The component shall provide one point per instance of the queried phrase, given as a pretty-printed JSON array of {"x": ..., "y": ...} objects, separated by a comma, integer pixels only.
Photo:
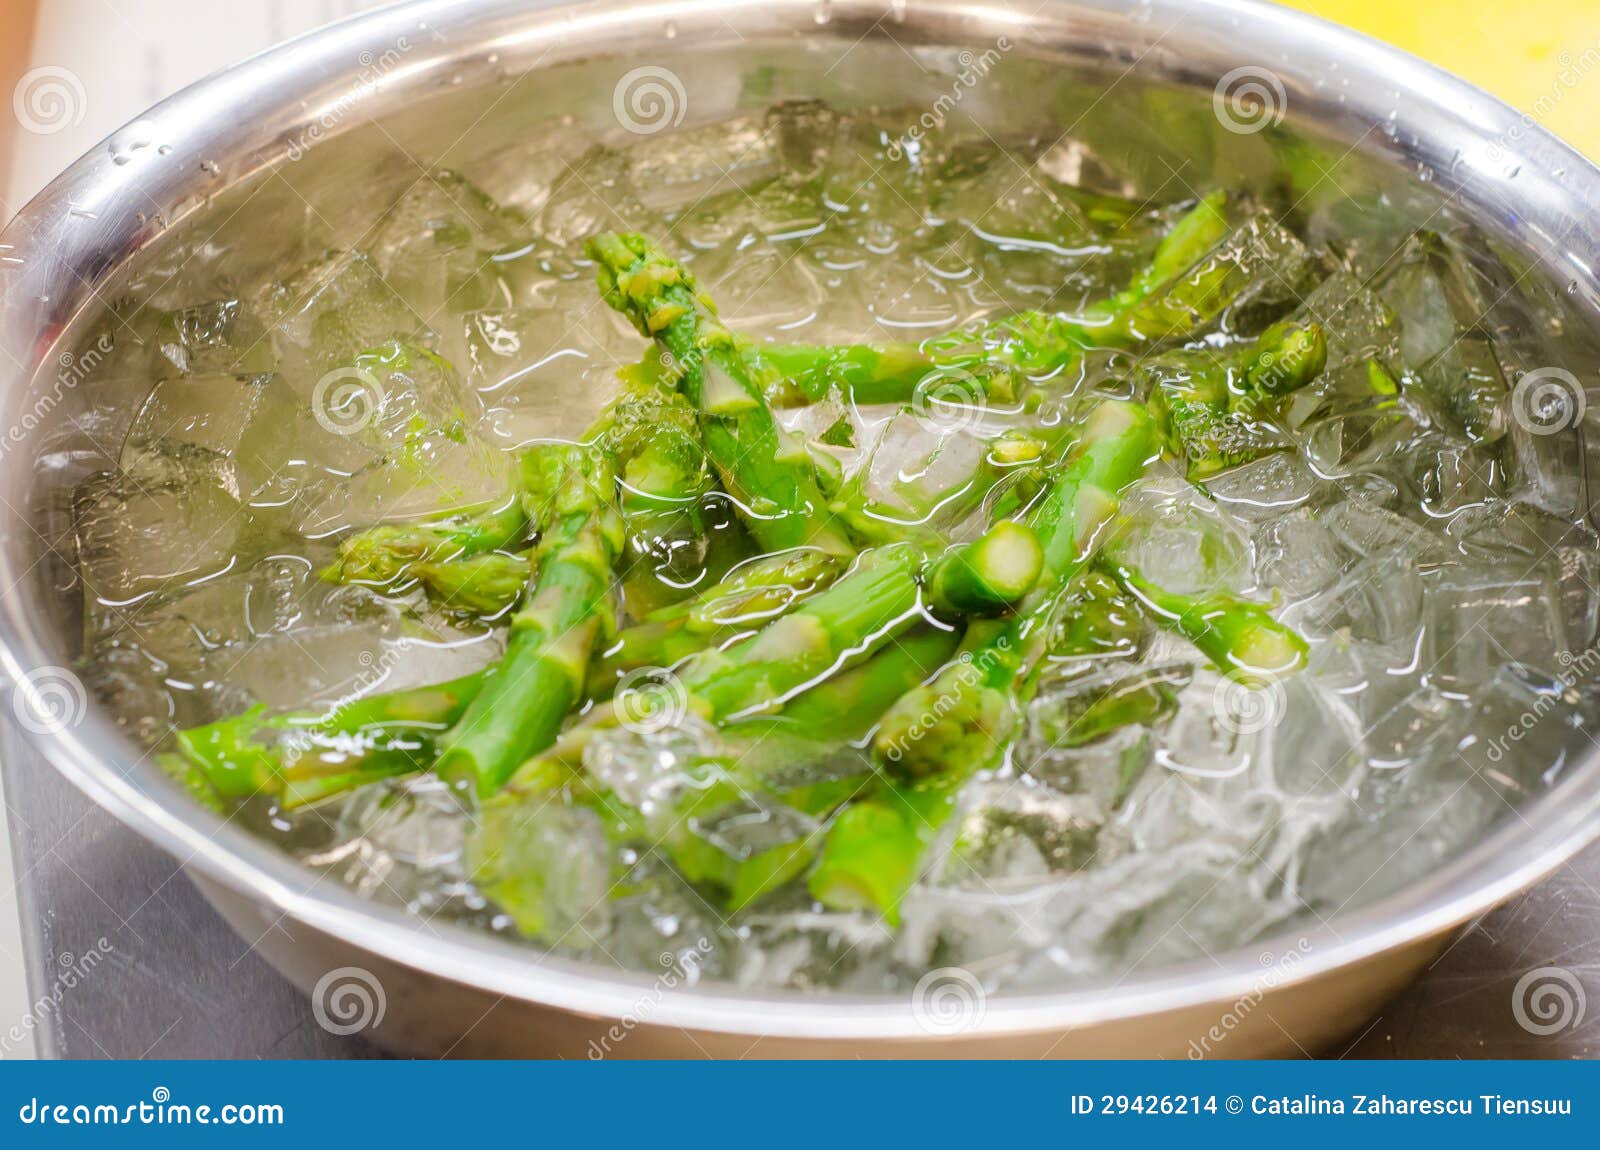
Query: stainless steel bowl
[{"x": 447, "y": 79}]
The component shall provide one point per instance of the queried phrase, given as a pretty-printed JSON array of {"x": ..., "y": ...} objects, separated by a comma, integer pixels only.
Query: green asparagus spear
[
  {"x": 939, "y": 734},
  {"x": 768, "y": 473},
  {"x": 1035, "y": 343},
  {"x": 988, "y": 575},
  {"x": 300, "y": 757},
  {"x": 482, "y": 585},
  {"x": 1215, "y": 407},
  {"x": 1240, "y": 637},
  {"x": 382, "y": 554},
  {"x": 564, "y": 613},
  {"x": 749, "y": 596},
  {"x": 836, "y": 629}
]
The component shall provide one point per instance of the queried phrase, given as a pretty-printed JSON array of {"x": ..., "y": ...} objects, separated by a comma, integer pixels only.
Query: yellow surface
[{"x": 1542, "y": 56}]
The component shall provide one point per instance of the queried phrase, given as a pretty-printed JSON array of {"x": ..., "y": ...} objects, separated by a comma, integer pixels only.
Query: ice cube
[
  {"x": 809, "y": 950},
  {"x": 649, "y": 767},
  {"x": 136, "y": 536},
  {"x": 1105, "y": 770},
  {"x": 1179, "y": 541},
  {"x": 1527, "y": 727},
  {"x": 401, "y": 842},
  {"x": 1267, "y": 486},
  {"x": 1379, "y": 601},
  {"x": 436, "y": 246},
  {"x": 1298, "y": 555},
  {"x": 676, "y": 170},
  {"x": 917, "y": 458},
  {"x": 661, "y": 923},
  {"x": 1219, "y": 727},
  {"x": 1007, "y": 833},
  {"x": 1320, "y": 747},
  {"x": 333, "y": 310},
  {"x": 262, "y": 433},
  {"x": 549, "y": 866},
  {"x": 1157, "y": 907},
  {"x": 417, "y": 426},
  {"x": 594, "y": 194},
  {"x": 1378, "y": 533},
  {"x": 1480, "y": 618}
]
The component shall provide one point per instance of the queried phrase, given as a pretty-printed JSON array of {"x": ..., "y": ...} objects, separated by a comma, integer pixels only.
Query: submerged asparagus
[
  {"x": 303, "y": 756},
  {"x": 1215, "y": 406},
  {"x": 1240, "y": 637},
  {"x": 749, "y": 596},
  {"x": 1035, "y": 343},
  {"x": 563, "y": 615},
  {"x": 766, "y": 471},
  {"x": 937, "y": 735}
]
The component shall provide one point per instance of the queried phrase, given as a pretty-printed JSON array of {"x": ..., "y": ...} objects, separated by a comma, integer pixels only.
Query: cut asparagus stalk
[
  {"x": 1241, "y": 638},
  {"x": 385, "y": 553},
  {"x": 767, "y": 472},
  {"x": 563, "y": 615},
  {"x": 988, "y": 575},
  {"x": 875, "y": 848}
]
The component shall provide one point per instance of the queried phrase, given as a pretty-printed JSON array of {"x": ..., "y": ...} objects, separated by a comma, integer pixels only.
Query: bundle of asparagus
[{"x": 844, "y": 630}]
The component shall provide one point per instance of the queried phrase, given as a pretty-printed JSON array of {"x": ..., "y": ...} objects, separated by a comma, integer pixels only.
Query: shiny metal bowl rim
[{"x": 244, "y": 101}]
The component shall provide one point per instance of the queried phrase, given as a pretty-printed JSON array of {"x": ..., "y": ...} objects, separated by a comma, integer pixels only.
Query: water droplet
[
  {"x": 670, "y": 30},
  {"x": 133, "y": 139},
  {"x": 164, "y": 150},
  {"x": 210, "y": 167},
  {"x": 824, "y": 12},
  {"x": 1513, "y": 171}
]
